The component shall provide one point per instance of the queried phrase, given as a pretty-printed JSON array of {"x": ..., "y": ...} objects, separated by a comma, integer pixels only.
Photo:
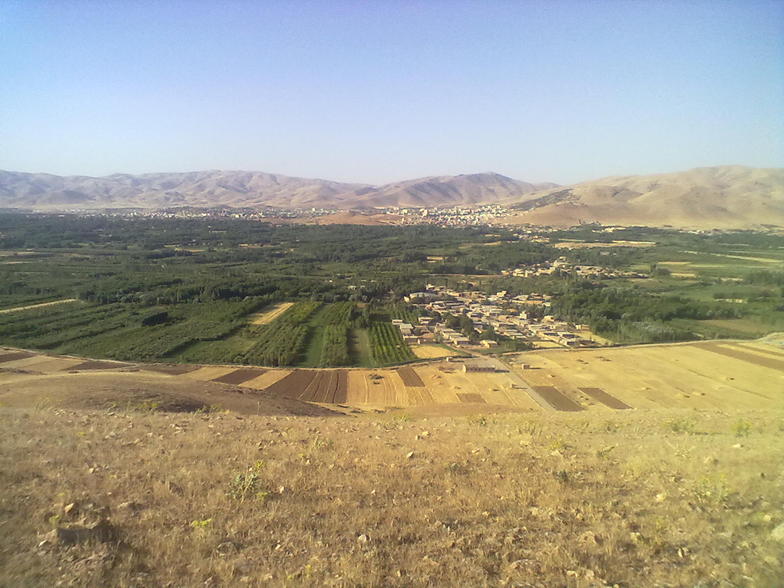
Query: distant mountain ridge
[
  {"x": 248, "y": 189},
  {"x": 722, "y": 196}
]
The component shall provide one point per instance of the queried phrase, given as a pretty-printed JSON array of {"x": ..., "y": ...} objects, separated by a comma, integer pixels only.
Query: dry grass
[
  {"x": 633, "y": 498},
  {"x": 425, "y": 351}
]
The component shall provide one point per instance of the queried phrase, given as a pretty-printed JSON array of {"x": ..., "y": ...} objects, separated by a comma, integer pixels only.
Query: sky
[{"x": 376, "y": 91}]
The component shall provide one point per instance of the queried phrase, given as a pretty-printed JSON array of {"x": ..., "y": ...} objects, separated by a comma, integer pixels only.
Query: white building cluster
[{"x": 509, "y": 316}]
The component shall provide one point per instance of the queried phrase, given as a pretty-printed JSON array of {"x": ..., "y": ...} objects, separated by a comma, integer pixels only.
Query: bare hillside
[
  {"x": 248, "y": 189},
  {"x": 725, "y": 196}
]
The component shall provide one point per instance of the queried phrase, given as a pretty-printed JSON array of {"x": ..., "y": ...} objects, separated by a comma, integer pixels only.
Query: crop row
[
  {"x": 334, "y": 349},
  {"x": 387, "y": 345}
]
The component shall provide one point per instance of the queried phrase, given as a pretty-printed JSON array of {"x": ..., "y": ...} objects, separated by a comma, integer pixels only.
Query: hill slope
[
  {"x": 724, "y": 196},
  {"x": 247, "y": 189}
]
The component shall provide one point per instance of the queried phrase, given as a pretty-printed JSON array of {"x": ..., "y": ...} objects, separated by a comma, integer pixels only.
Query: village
[
  {"x": 504, "y": 317},
  {"x": 563, "y": 267}
]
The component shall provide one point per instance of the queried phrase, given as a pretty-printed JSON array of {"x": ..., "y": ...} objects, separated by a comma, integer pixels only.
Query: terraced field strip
[
  {"x": 14, "y": 355},
  {"x": 775, "y": 364},
  {"x": 556, "y": 399},
  {"x": 604, "y": 398},
  {"x": 171, "y": 370},
  {"x": 240, "y": 376},
  {"x": 292, "y": 385},
  {"x": 410, "y": 377},
  {"x": 100, "y": 365}
]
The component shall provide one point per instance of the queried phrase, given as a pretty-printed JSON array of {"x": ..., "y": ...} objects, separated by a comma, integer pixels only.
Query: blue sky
[{"x": 379, "y": 91}]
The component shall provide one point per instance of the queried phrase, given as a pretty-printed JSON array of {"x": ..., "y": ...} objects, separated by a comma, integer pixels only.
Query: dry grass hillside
[
  {"x": 708, "y": 197},
  {"x": 140, "y": 497}
]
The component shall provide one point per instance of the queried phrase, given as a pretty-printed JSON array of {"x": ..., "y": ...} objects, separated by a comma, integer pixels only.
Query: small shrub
[
  {"x": 682, "y": 425},
  {"x": 742, "y": 428},
  {"x": 248, "y": 485}
]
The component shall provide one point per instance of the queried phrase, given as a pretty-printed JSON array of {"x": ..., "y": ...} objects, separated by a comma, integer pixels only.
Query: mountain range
[{"x": 724, "y": 196}]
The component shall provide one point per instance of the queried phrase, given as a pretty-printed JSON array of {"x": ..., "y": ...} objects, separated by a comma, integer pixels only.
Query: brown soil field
[
  {"x": 93, "y": 364},
  {"x": 410, "y": 377},
  {"x": 604, "y": 398},
  {"x": 240, "y": 376},
  {"x": 556, "y": 399},
  {"x": 267, "y": 316}
]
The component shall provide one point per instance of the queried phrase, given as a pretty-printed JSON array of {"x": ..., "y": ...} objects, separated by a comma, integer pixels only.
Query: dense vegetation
[{"x": 181, "y": 289}]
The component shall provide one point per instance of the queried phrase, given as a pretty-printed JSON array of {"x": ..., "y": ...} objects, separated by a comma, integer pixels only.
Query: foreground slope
[
  {"x": 153, "y": 499},
  {"x": 707, "y": 197}
]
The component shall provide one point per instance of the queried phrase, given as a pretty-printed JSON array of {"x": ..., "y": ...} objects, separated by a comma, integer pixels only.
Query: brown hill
[
  {"x": 706, "y": 197},
  {"x": 248, "y": 189}
]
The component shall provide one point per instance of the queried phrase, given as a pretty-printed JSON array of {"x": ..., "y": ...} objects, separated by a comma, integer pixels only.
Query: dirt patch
[
  {"x": 410, "y": 377},
  {"x": 604, "y": 398},
  {"x": 556, "y": 399},
  {"x": 99, "y": 365},
  {"x": 269, "y": 315},
  {"x": 172, "y": 370},
  {"x": 239, "y": 376},
  {"x": 145, "y": 392},
  {"x": 14, "y": 355},
  {"x": 472, "y": 398}
]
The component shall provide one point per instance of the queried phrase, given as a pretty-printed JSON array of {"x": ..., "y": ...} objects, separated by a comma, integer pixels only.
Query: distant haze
[
  {"x": 382, "y": 91},
  {"x": 722, "y": 197}
]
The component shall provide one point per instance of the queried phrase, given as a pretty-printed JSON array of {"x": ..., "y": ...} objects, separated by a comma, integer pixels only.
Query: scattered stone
[
  {"x": 777, "y": 534},
  {"x": 363, "y": 539},
  {"x": 102, "y": 531},
  {"x": 410, "y": 455},
  {"x": 661, "y": 497}
]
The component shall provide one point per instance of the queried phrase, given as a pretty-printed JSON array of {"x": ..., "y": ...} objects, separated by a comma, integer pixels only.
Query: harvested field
[
  {"x": 432, "y": 351},
  {"x": 267, "y": 316},
  {"x": 604, "y": 398},
  {"x": 688, "y": 375},
  {"x": 735, "y": 353},
  {"x": 266, "y": 379},
  {"x": 410, "y": 377},
  {"x": 239, "y": 376},
  {"x": 208, "y": 373},
  {"x": 556, "y": 399},
  {"x": 100, "y": 365}
]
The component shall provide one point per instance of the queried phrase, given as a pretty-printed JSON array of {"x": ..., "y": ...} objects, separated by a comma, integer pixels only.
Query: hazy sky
[{"x": 374, "y": 91}]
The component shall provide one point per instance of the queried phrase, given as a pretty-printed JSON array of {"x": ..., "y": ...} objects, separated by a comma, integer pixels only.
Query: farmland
[{"x": 228, "y": 291}]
